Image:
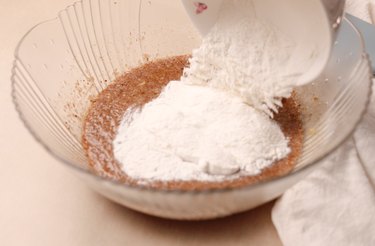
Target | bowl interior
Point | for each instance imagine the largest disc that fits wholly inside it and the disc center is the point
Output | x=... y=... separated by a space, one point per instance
x=62 y=64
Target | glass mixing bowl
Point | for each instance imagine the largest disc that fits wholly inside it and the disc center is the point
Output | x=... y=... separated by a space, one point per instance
x=61 y=64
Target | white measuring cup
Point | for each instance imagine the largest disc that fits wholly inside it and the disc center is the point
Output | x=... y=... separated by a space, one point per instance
x=312 y=23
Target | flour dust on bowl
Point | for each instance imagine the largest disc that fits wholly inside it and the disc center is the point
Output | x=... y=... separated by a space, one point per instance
x=62 y=64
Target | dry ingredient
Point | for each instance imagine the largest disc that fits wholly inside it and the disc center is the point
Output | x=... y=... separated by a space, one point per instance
x=197 y=133
x=212 y=125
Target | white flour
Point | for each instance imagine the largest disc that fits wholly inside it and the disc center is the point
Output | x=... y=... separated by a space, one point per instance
x=191 y=132
x=213 y=124
x=245 y=56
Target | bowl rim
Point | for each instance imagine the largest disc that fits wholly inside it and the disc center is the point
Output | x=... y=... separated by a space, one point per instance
x=98 y=178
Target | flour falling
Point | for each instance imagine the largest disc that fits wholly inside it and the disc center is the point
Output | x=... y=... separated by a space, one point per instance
x=215 y=123
x=248 y=57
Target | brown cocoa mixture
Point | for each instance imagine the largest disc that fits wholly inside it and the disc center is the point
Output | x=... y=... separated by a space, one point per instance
x=145 y=83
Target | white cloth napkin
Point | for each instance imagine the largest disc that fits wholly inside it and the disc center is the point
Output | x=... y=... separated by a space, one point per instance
x=335 y=205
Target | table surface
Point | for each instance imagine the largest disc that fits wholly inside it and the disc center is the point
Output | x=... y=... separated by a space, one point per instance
x=43 y=203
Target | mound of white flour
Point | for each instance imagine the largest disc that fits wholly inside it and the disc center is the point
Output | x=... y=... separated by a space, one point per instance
x=215 y=123
x=197 y=133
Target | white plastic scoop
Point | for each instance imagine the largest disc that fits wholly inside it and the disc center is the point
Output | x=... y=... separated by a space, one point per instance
x=309 y=22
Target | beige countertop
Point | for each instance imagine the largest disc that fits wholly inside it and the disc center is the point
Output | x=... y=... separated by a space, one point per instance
x=43 y=203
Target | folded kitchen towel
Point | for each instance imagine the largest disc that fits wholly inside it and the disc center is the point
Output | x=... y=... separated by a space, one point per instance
x=335 y=204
